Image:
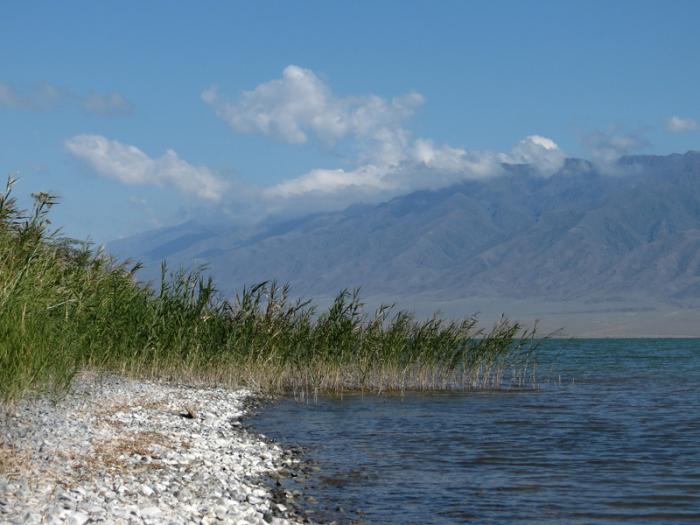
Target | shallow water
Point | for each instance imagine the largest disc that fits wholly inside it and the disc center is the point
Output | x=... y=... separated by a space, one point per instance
x=616 y=440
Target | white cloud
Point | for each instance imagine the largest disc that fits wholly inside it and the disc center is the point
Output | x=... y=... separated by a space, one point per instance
x=300 y=104
x=329 y=181
x=107 y=104
x=130 y=165
x=447 y=159
x=327 y=190
x=678 y=124
x=422 y=166
x=538 y=151
x=300 y=107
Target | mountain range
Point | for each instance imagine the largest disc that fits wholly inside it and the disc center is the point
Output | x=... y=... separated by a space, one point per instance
x=616 y=240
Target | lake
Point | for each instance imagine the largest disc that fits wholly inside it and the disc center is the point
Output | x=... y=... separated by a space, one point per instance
x=611 y=435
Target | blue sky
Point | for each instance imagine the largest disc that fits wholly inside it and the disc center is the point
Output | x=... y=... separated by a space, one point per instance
x=147 y=114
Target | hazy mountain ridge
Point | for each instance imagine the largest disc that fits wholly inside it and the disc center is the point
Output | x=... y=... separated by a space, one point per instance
x=577 y=234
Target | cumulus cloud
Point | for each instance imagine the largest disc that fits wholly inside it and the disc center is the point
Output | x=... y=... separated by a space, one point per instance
x=46 y=97
x=300 y=107
x=130 y=165
x=678 y=124
x=538 y=151
x=300 y=104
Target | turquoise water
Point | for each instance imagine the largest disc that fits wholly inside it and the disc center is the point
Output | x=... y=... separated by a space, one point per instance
x=611 y=436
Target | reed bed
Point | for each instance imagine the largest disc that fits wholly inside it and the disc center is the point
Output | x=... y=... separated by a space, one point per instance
x=66 y=307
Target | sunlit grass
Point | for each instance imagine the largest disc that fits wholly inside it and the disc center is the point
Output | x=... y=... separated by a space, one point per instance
x=65 y=307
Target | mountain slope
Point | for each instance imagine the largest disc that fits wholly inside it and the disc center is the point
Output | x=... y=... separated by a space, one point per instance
x=579 y=234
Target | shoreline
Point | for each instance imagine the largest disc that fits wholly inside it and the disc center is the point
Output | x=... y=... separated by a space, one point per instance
x=121 y=450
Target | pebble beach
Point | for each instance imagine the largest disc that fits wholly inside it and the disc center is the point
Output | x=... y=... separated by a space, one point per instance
x=126 y=451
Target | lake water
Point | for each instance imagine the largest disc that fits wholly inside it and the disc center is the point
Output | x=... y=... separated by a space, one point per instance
x=617 y=440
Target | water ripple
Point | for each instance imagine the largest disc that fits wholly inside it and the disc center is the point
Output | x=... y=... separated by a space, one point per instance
x=615 y=440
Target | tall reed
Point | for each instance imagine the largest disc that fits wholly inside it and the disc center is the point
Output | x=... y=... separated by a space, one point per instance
x=65 y=307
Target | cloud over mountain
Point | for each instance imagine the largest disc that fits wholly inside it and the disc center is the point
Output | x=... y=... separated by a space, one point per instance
x=298 y=107
x=538 y=151
x=422 y=166
x=606 y=147
x=578 y=235
x=389 y=161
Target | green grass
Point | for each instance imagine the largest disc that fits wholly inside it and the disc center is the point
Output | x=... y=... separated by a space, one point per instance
x=65 y=307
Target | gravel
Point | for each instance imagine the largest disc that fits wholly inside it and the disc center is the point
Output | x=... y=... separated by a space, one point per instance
x=123 y=451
